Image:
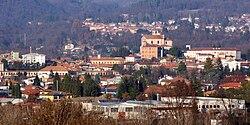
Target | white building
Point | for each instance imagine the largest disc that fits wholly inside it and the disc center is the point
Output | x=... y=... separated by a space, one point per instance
x=232 y=64
x=34 y=58
x=1 y=66
x=69 y=46
x=223 y=53
x=205 y=104
x=132 y=58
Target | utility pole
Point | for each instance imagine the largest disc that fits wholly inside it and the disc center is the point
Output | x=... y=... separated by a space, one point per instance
x=56 y=85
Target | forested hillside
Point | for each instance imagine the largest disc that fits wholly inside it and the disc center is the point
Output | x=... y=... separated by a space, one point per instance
x=37 y=23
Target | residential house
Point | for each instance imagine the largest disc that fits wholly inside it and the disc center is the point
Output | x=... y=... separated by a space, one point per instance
x=54 y=95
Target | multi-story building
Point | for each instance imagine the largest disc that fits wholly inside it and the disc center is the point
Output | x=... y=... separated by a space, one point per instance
x=10 y=56
x=34 y=58
x=201 y=54
x=14 y=55
x=154 y=45
x=106 y=60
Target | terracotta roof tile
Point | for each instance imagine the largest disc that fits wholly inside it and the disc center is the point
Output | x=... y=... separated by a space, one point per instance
x=154 y=36
x=54 y=68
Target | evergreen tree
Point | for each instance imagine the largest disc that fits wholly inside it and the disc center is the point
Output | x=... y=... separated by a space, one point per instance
x=36 y=81
x=5 y=63
x=208 y=67
x=56 y=82
x=97 y=79
x=90 y=88
x=76 y=87
x=51 y=74
x=219 y=69
x=16 y=92
x=182 y=67
x=226 y=71
x=122 y=87
x=66 y=87
x=132 y=86
x=248 y=72
x=175 y=51
x=195 y=84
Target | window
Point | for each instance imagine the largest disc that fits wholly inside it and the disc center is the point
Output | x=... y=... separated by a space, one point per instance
x=137 y=109
x=129 y=109
x=158 y=42
x=203 y=106
x=211 y=106
x=151 y=42
x=214 y=106
x=114 y=109
x=218 y=106
x=207 y=106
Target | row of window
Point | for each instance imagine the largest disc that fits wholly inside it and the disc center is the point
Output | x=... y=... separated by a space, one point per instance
x=127 y=109
x=215 y=106
x=106 y=62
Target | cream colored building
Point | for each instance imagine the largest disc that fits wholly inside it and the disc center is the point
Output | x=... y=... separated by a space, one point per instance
x=107 y=60
x=223 y=53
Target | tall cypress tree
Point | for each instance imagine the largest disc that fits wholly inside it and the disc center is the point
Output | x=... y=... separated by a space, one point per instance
x=36 y=81
x=90 y=88
x=56 y=82
x=16 y=92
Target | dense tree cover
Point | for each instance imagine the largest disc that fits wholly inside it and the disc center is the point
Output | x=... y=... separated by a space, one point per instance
x=121 y=52
x=130 y=87
x=242 y=93
x=175 y=51
x=67 y=84
x=59 y=15
x=90 y=87
x=182 y=69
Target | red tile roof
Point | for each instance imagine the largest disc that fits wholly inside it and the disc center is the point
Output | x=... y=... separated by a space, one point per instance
x=231 y=85
x=154 y=36
x=31 y=90
x=156 y=89
x=54 y=68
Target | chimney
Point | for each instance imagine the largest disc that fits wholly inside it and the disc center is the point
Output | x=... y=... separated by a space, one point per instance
x=30 y=49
